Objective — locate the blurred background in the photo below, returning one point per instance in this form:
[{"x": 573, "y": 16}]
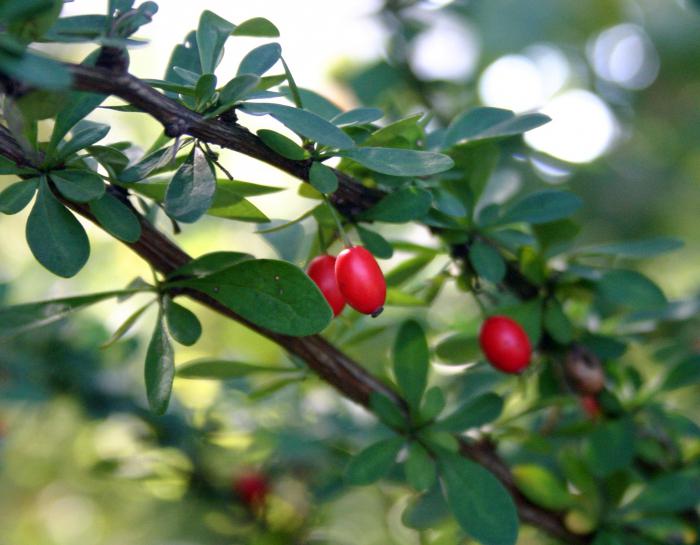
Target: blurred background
[{"x": 82, "y": 461}]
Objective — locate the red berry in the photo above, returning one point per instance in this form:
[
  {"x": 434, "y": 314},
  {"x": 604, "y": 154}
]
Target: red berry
[
  {"x": 251, "y": 488},
  {"x": 361, "y": 280},
  {"x": 505, "y": 344},
  {"x": 590, "y": 406},
  {"x": 322, "y": 271}
]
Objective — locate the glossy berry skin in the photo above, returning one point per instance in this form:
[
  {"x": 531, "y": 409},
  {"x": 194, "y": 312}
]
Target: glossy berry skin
[
  {"x": 505, "y": 344},
  {"x": 252, "y": 488},
  {"x": 361, "y": 280},
  {"x": 590, "y": 406},
  {"x": 321, "y": 270}
]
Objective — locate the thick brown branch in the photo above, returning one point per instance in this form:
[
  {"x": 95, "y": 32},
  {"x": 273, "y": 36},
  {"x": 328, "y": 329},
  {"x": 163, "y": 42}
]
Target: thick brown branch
[
  {"x": 324, "y": 359},
  {"x": 351, "y": 197}
]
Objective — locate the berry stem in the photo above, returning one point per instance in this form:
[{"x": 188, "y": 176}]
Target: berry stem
[{"x": 334, "y": 213}]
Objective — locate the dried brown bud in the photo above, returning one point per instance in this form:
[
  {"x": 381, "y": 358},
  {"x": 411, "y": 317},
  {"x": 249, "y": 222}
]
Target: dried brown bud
[{"x": 584, "y": 371}]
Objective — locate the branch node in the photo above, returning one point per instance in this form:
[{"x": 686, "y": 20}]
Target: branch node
[{"x": 175, "y": 127}]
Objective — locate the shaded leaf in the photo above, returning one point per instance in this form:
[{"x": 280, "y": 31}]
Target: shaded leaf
[
  {"x": 373, "y": 462},
  {"x": 630, "y": 289},
  {"x": 411, "y": 362},
  {"x": 419, "y": 468},
  {"x": 286, "y": 147},
  {"x": 400, "y": 162},
  {"x": 401, "y": 206},
  {"x": 482, "y": 506},
  {"x": 212, "y": 33},
  {"x": 303, "y": 122},
  {"x": 542, "y": 207},
  {"x": 55, "y": 237},
  {"x": 275, "y": 295},
  {"x": 17, "y": 196},
  {"x": 486, "y": 123},
  {"x": 322, "y": 178},
  {"x": 159, "y": 370},
  {"x": 375, "y": 243},
  {"x": 18, "y": 319},
  {"x": 258, "y": 27},
  {"x": 487, "y": 262},
  {"x": 225, "y": 369},
  {"x": 78, "y": 185},
  {"x": 183, "y": 324},
  {"x": 260, "y": 60},
  {"x": 473, "y": 413},
  {"x": 116, "y": 218},
  {"x": 191, "y": 191}
]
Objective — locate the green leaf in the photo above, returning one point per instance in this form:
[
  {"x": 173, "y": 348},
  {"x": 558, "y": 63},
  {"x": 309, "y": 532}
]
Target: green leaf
[
  {"x": 147, "y": 165},
  {"x": 401, "y": 206},
  {"x": 313, "y": 102},
  {"x": 473, "y": 413},
  {"x": 375, "y": 243},
  {"x": 439, "y": 441},
  {"x": 433, "y": 404},
  {"x": 35, "y": 70},
  {"x": 212, "y": 33},
  {"x": 482, "y": 506},
  {"x": 398, "y": 298},
  {"x": 387, "y": 411},
  {"x": 611, "y": 446},
  {"x": 630, "y": 289},
  {"x": 303, "y": 122},
  {"x": 281, "y": 144},
  {"x": 487, "y": 261},
  {"x": 322, "y": 178},
  {"x": 159, "y": 370},
  {"x": 419, "y": 468},
  {"x": 358, "y": 116},
  {"x": 411, "y": 362},
  {"x": 542, "y": 487},
  {"x": 191, "y": 191},
  {"x": 636, "y": 249},
  {"x": 528, "y": 315},
  {"x": 556, "y": 323},
  {"x": 458, "y": 349},
  {"x": 88, "y": 134},
  {"x": 205, "y": 89},
  {"x": 542, "y": 207},
  {"x": 116, "y": 218},
  {"x": 237, "y": 89},
  {"x": 78, "y": 185},
  {"x": 685, "y": 373},
  {"x": 486, "y": 123},
  {"x": 183, "y": 324},
  {"x": 274, "y": 295},
  {"x": 126, "y": 325},
  {"x": 78, "y": 106},
  {"x": 669, "y": 493},
  {"x": 408, "y": 269},
  {"x": 373, "y": 462},
  {"x": 55, "y": 237},
  {"x": 400, "y": 162},
  {"x": 210, "y": 263},
  {"x": 257, "y": 27},
  {"x": 230, "y": 203},
  {"x": 261, "y": 59},
  {"x": 225, "y": 369},
  {"x": 18, "y": 319},
  {"x": 16, "y": 197},
  {"x": 425, "y": 511}
]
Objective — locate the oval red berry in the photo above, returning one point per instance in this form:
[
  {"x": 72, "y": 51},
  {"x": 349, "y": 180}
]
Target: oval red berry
[
  {"x": 505, "y": 344},
  {"x": 321, "y": 270},
  {"x": 360, "y": 280}
]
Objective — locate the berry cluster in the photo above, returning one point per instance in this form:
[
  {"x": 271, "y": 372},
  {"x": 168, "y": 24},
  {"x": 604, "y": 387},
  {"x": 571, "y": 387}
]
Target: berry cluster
[{"x": 354, "y": 277}]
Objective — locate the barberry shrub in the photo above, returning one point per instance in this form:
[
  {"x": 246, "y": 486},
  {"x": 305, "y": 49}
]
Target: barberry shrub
[{"x": 473, "y": 450}]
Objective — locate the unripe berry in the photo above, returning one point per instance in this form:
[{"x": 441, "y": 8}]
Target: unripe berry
[
  {"x": 252, "y": 488},
  {"x": 505, "y": 344},
  {"x": 361, "y": 280},
  {"x": 322, "y": 271}
]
